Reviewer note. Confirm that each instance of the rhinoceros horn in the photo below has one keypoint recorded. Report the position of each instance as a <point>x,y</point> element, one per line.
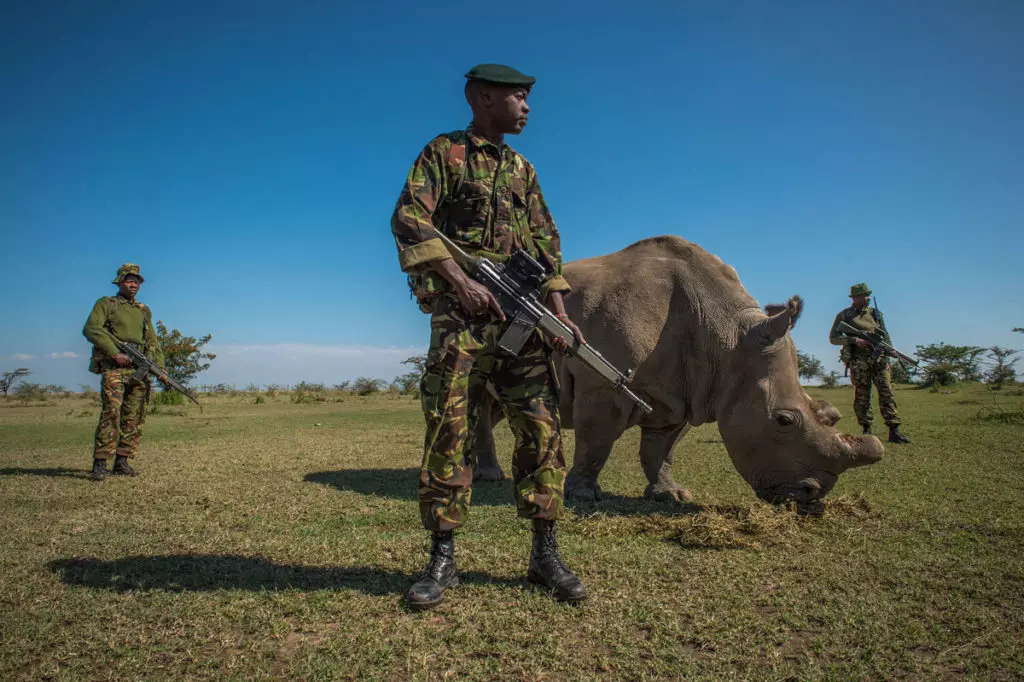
<point>781,318</point>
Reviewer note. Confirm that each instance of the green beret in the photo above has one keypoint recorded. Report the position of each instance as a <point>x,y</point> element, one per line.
<point>500,75</point>
<point>125,270</point>
<point>860,290</point>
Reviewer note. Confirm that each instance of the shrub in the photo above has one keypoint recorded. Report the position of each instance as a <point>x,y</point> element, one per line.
<point>830,380</point>
<point>366,386</point>
<point>168,398</point>
<point>940,374</point>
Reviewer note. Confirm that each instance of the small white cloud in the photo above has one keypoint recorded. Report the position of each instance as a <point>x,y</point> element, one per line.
<point>65,354</point>
<point>22,356</point>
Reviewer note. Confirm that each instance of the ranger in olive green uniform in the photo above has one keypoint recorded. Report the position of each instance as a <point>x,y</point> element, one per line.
<point>123,399</point>
<point>485,197</point>
<point>865,367</point>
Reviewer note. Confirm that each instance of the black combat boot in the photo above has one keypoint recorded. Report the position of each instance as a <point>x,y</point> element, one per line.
<point>867,429</point>
<point>895,436</point>
<point>122,468</point>
<point>428,591</point>
<point>547,567</point>
<point>99,470</point>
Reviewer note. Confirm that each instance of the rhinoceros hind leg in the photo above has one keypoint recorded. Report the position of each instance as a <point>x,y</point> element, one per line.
<point>483,451</point>
<point>656,454</point>
<point>595,435</point>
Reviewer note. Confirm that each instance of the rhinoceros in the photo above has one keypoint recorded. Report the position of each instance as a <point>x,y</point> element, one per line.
<point>704,351</point>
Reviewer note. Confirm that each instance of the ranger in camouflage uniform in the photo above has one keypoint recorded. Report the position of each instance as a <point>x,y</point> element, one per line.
<point>123,399</point>
<point>484,196</point>
<point>865,368</point>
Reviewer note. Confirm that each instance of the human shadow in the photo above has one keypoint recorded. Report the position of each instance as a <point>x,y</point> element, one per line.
<point>209,572</point>
<point>403,484</point>
<point>56,472</point>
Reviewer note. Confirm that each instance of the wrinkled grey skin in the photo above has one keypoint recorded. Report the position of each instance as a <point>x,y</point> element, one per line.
<point>704,352</point>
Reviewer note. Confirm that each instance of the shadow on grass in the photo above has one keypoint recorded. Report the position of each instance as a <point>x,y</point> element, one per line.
<point>58,472</point>
<point>617,505</point>
<point>403,484</point>
<point>209,572</point>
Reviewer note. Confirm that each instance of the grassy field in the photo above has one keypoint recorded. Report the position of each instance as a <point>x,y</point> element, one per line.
<point>276,540</point>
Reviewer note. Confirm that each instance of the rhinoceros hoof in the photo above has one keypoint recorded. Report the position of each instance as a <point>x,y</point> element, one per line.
<point>489,474</point>
<point>668,493</point>
<point>582,491</point>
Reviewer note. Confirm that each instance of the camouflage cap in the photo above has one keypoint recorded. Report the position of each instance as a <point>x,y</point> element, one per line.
<point>500,74</point>
<point>127,269</point>
<point>860,289</point>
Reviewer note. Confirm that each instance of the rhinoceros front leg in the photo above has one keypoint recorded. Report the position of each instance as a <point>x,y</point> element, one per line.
<point>483,451</point>
<point>656,446</point>
<point>595,436</point>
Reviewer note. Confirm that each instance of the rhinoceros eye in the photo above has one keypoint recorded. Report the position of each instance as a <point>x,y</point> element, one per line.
<point>784,419</point>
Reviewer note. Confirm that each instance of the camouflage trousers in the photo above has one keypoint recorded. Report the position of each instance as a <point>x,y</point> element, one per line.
<point>864,373</point>
<point>462,359</point>
<point>121,415</point>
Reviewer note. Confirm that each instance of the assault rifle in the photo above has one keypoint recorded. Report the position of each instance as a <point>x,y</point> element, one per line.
<point>516,285</point>
<point>145,366</point>
<point>879,346</point>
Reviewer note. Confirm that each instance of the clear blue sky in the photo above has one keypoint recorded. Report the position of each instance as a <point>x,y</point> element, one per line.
<point>248,156</point>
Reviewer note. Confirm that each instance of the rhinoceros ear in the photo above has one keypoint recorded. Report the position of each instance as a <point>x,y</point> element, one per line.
<point>824,411</point>
<point>781,318</point>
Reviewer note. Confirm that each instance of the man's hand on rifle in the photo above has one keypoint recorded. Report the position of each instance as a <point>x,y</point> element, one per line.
<point>475,298</point>
<point>122,360</point>
<point>557,306</point>
<point>861,343</point>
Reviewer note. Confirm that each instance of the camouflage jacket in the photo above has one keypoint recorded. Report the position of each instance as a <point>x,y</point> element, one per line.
<point>485,197</point>
<point>127,320</point>
<point>869,319</point>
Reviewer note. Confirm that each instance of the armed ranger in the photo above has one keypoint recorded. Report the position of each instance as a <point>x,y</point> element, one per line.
<point>516,285</point>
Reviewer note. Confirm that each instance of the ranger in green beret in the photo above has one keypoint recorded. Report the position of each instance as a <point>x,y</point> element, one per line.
<point>485,196</point>
<point>124,318</point>
<point>866,367</point>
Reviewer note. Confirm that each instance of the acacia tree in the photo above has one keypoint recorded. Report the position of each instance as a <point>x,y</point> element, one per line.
<point>830,379</point>
<point>183,355</point>
<point>808,366</point>
<point>10,378</point>
<point>947,364</point>
<point>409,383</point>
<point>366,385</point>
<point>1002,369</point>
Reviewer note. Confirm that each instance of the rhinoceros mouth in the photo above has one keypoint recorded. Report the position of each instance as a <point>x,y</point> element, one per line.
<point>805,495</point>
<point>806,491</point>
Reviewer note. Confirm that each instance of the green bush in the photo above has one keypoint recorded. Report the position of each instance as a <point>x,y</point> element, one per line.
<point>829,380</point>
<point>168,398</point>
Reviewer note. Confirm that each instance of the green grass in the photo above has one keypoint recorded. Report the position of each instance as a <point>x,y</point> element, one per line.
<point>276,540</point>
